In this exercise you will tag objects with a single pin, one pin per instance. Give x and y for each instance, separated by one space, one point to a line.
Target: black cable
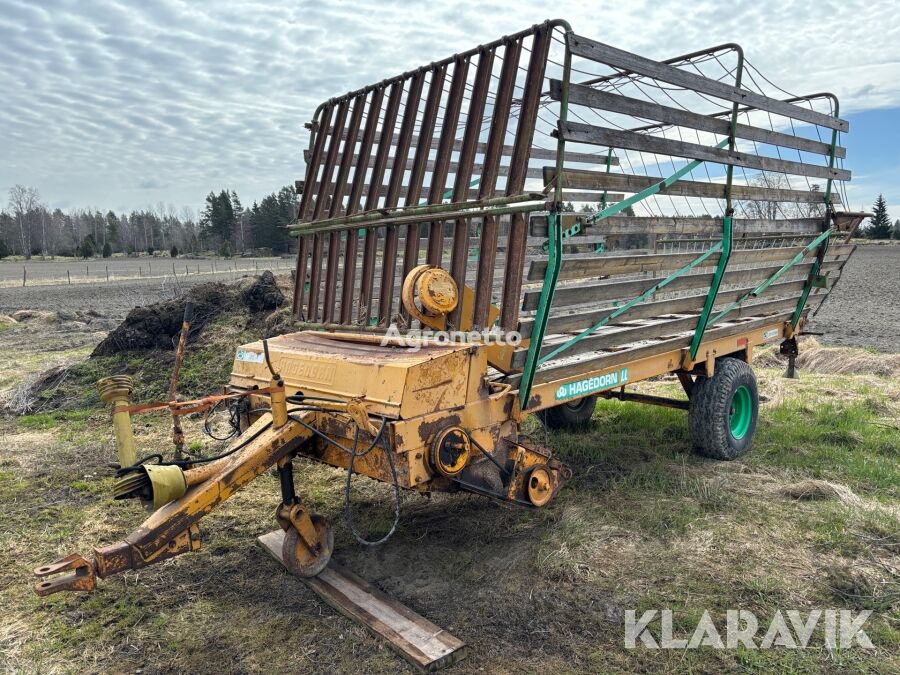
390 458
354 454
233 420
300 398
134 467
239 446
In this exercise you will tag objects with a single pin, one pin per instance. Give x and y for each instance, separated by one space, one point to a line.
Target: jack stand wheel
300 559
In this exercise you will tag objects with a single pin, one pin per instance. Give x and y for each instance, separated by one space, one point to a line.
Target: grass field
810 518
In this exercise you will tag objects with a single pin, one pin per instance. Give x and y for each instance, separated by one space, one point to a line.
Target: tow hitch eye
80 575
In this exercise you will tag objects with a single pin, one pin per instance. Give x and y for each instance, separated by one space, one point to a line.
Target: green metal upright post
826 226
554 261
554 250
727 223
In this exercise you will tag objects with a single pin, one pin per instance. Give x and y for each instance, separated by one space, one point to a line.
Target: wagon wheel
723 410
299 558
570 416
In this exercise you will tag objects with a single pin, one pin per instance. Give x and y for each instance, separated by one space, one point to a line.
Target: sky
122 105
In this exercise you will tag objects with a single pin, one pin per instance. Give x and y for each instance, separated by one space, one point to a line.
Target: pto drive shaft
173 528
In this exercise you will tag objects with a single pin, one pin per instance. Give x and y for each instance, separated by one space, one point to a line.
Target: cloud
116 102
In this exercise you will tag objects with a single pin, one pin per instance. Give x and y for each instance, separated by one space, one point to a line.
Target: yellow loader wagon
519 228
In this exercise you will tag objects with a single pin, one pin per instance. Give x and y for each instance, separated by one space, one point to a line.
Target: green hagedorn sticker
590 385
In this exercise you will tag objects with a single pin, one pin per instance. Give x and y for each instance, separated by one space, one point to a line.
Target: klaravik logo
790 629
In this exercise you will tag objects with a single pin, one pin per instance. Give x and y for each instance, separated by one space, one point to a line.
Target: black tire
714 402
570 416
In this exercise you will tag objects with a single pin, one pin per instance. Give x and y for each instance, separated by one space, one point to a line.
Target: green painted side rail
647 192
631 303
829 213
554 262
821 239
810 281
554 246
703 319
568 233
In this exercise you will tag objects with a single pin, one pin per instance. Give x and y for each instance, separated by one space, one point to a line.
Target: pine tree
112 228
87 247
880 223
217 219
107 250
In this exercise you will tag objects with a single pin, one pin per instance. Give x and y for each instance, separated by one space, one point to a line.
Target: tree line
28 227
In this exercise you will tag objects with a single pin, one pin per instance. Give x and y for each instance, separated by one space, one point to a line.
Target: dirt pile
811 489
263 294
157 326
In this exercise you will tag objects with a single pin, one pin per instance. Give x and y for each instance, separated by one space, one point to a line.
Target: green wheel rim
741 412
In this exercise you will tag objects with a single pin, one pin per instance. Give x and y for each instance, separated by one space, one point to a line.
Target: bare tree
22 201
762 209
771 210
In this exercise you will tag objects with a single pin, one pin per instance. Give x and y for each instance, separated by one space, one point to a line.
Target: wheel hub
741 412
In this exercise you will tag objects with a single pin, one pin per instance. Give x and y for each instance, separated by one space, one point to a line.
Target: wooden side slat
618 58
577 321
623 333
678 225
556 370
607 265
587 133
604 100
598 180
580 294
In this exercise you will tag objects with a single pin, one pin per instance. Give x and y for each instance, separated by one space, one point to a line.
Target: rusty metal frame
331 221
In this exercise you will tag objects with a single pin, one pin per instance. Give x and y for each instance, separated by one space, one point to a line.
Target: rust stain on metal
428 429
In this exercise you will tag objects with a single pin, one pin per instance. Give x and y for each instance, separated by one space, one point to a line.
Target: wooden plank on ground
423 644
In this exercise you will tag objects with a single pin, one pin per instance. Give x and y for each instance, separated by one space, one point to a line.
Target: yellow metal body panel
395 380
